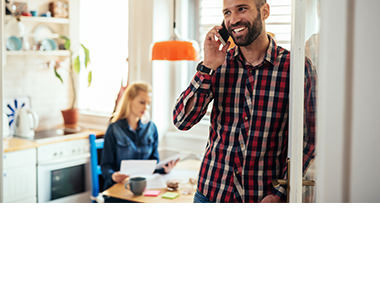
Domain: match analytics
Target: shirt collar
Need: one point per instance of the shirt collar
(270, 55)
(139, 125)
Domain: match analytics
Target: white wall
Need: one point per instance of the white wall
(140, 39)
(365, 153)
(32, 77)
(330, 162)
(348, 129)
(159, 74)
(162, 71)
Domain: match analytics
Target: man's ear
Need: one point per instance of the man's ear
(265, 11)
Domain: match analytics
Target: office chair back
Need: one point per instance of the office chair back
(95, 145)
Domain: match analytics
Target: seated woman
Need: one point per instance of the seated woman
(127, 137)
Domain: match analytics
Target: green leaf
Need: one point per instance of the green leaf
(86, 55)
(57, 75)
(89, 78)
(67, 42)
(76, 64)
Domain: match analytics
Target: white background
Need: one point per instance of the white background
(133, 251)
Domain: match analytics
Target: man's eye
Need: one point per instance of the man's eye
(242, 8)
(227, 13)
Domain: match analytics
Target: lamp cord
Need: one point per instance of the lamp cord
(174, 15)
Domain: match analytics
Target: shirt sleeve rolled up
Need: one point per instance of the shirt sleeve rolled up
(199, 94)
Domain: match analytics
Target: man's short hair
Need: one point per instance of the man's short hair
(260, 3)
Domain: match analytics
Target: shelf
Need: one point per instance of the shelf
(50, 20)
(39, 53)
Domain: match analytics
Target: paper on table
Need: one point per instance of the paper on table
(137, 167)
(145, 168)
(156, 181)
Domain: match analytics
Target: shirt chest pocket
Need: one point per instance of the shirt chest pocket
(125, 149)
(146, 147)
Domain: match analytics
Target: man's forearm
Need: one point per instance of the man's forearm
(190, 105)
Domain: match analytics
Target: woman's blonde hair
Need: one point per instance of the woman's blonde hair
(123, 107)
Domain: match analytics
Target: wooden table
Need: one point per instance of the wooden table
(119, 191)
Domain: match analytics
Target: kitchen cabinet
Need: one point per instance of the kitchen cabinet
(36, 35)
(19, 176)
(39, 53)
(41, 20)
(28, 73)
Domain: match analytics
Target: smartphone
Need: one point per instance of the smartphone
(224, 34)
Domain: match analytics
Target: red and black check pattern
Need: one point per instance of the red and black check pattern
(248, 140)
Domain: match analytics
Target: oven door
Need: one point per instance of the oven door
(65, 181)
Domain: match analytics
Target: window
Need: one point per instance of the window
(279, 22)
(106, 36)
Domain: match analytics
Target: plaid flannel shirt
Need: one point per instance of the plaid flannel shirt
(248, 139)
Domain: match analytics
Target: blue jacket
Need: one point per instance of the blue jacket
(121, 142)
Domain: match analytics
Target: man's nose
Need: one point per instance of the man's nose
(234, 19)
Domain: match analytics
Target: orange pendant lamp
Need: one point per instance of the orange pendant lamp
(175, 49)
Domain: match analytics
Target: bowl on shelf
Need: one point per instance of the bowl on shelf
(42, 32)
(14, 43)
(48, 45)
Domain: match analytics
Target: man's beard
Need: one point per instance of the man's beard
(253, 31)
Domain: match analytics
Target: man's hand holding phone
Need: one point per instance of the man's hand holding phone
(223, 35)
(214, 57)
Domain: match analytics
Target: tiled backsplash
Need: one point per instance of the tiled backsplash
(32, 76)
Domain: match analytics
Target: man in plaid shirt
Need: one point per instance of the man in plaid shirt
(249, 84)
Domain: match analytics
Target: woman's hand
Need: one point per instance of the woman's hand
(119, 177)
(170, 165)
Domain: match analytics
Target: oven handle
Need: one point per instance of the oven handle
(78, 159)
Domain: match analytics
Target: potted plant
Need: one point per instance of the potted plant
(76, 64)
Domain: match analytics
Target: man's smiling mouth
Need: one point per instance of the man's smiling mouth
(239, 29)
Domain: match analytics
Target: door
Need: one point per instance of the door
(302, 100)
(19, 176)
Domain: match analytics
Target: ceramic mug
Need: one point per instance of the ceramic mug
(137, 185)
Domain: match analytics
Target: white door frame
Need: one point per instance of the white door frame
(296, 101)
(334, 101)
